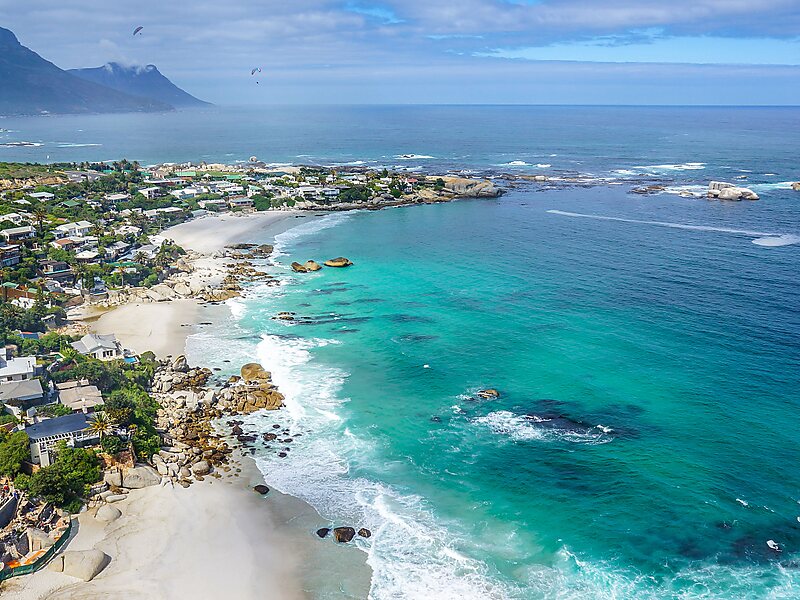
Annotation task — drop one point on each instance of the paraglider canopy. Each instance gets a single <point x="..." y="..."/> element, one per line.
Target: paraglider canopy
<point x="137" y="30"/>
<point x="256" y="70"/>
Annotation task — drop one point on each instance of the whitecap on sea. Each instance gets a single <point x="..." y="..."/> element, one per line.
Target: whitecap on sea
<point x="532" y="427"/>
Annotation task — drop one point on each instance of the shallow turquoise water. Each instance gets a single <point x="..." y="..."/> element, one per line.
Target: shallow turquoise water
<point x="645" y="442"/>
<point x="647" y="350"/>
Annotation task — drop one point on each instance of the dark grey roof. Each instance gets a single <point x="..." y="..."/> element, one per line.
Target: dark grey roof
<point x="66" y="424"/>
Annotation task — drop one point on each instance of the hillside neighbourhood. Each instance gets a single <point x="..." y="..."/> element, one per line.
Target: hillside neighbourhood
<point x="77" y="409"/>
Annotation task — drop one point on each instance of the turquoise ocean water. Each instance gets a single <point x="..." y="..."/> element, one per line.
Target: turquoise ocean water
<point x="647" y="349"/>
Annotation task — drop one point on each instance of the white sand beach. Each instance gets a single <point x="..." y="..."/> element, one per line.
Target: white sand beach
<point x="163" y="327"/>
<point x="218" y="538"/>
<point x="212" y="232"/>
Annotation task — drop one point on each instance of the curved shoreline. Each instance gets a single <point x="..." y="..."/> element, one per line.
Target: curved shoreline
<point x="269" y="543"/>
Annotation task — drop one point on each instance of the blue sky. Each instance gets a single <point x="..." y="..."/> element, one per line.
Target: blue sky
<point x="437" y="51"/>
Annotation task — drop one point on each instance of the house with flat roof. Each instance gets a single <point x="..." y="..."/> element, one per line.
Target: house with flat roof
<point x="16" y="368"/>
<point x="18" y="234"/>
<point x="116" y="197"/>
<point x="45" y="436"/>
<point x="102" y="347"/>
<point x="19" y="396"/>
<point x="9" y="255"/>
<point x="77" y="229"/>
<point x="42" y="195"/>
<point x="151" y="192"/>
<point x="240" y="202"/>
<point x="79" y="395"/>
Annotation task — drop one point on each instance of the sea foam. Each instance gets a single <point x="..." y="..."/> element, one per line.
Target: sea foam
<point x="533" y="428"/>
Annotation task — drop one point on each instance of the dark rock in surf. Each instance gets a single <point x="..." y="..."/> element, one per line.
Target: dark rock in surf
<point x="364" y="532"/>
<point x="261" y="489"/>
<point x="323" y="532"/>
<point x="344" y="534"/>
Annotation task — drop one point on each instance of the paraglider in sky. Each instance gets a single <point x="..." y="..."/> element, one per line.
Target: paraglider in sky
<point x="256" y="70"/>
<point x="138" y="30"/>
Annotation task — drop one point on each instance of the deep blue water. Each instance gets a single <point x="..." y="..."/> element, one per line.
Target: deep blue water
<point x="647" y="348"/>
<point x="588" y="139"/>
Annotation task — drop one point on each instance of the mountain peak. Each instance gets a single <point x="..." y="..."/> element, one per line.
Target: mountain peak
<point x="139" y="80"/>
<point x="115" y="67"/>
<point x="33" y="85"/>
<point x="7" y="38"/>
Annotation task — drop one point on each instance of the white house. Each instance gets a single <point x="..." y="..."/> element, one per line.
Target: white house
<point x="151" y="192"/>
<point x="15" y="218"/>
<point x="16" y="234"/>
<point x="102" y="347"/>
<point x="77" y="229"/>
<point x="309" y="192"/>
<point x="128" y="230"/>
<point x="116" y="197"/>
<point x="186" y="193"/>
<point x="16" y="369"/>
<point x="42" y="195"/>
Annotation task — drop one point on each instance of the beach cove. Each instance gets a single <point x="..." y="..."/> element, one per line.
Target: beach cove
<point x="202" y="541"/>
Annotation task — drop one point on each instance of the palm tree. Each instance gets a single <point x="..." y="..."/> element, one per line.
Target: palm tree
<point x="101" y="424"/>
<point x="40" y="214"/>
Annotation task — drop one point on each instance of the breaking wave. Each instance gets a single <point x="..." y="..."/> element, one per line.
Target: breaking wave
<point x="689" y="166"/>
<point x="546" y="429"/>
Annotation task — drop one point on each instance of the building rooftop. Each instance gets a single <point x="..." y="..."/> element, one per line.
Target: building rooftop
<point x="93" y="342"/>
<point x="20" y="390"/>
<point x="78" y="395"/>
<point x="10" y="367"/>
<point x="66" y="424"/>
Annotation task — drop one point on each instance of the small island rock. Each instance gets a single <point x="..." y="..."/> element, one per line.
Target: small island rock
<point x="298" y="268"/>
<point x="261" y="489"/>
<point x="323" y="532"/>
<point x="338" y="262"/>
<point x="364" y="532"/>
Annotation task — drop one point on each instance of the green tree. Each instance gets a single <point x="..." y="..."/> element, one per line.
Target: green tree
<point x="101" y="424"/>
<point x="65" y="481"/>
<point x="14" y="450"/>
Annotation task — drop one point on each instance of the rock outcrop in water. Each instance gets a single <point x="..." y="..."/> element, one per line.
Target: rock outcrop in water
<point x="727" y="191"/>
<point x="254" y="391"/>
<point x="471" y="188"/>
<point x="338" y="262"/>
<point x="344" y="534"/>
<point x="308" y="267"/>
